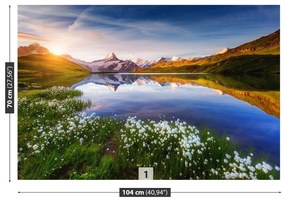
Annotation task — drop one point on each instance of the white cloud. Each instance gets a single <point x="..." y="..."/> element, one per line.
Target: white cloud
<point x="26" y="37"/>
<point x="145" y="27"/>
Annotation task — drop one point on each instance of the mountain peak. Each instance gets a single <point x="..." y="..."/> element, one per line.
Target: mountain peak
<point x="31" y="49"/>
<point x="111" y="56"/>
<point x="224" y="50"/>
<point x="164" y="59"/>
<point x="175" y="58"/>
<point x="139" y="60"/>
<point x="34" y="44"/>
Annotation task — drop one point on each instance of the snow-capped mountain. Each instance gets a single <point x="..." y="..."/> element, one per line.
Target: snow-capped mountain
<point x="224" y="50"/>
<point x="112" y="64"/>
<point x="109" y="64"/>
<point x="145" y="63"/>
<point x="34" y="48"/>
<point x="192" y="58"/>
<point x="175" y="58"/>
<point x="163" y="59"/>
<point x="111" y="57"/>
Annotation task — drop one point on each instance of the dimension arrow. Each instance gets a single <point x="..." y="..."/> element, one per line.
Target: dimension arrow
<point x="13" y="95"/>
<point x="173" y="192"/>
<point x="67" y="192"/>
<point x="9" y="33"/>
<point x="227" y="192"/>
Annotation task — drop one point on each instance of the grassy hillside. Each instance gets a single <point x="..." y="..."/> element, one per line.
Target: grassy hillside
<point x="248" y="64"/>
<point x="245" y="64"/>
<point x="271" y="41"/>
<point x="47" y="64"/>
<point x="256" y="57"/>
<point x="41" y="71"/>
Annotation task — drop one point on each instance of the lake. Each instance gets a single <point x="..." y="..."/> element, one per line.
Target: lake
<point x="244" y="108"/>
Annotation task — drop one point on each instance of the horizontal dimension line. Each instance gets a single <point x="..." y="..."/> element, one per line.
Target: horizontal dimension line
<point x="68" y="192"/>
<point x="174" y="192"/>
<point x="226" y="192"/>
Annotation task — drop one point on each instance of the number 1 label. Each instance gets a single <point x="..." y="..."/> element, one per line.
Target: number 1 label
<point x="146" y="173"/>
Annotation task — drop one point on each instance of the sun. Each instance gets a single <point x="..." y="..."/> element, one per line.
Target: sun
<point x="57" y="51"/>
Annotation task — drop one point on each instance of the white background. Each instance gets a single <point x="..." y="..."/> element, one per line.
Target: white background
<point x="9" y="191"/>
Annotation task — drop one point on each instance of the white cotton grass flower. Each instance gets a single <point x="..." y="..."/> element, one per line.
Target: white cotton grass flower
<point x="35" y="147"/>
<point x="81" y="141"/>
<point x="251" y="168"/>
<point x="258" y="166"/>
<point x="266" y="167"/>
<point x="176" y="139"/>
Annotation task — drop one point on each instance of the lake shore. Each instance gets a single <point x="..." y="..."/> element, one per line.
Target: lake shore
<point x="56" y="141"/>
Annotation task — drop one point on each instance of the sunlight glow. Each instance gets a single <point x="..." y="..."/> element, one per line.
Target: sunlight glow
<point x="57" y="50"/>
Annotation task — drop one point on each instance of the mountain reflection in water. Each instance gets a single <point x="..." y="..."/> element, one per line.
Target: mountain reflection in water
<point x="244" y="108"/>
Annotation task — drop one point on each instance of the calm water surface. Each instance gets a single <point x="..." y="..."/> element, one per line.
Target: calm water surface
<point x="170" y="97"/>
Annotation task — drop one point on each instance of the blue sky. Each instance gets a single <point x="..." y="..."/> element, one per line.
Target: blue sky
<point x="148" y="32"/>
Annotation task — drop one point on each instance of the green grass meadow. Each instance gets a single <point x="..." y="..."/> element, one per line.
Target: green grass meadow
<point x="56" y="140"/>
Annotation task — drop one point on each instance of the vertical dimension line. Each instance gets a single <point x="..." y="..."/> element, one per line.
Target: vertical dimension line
<point x="9" y="147"/>
<point x="9" y="114"/>
<point x="9" y="33"/>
